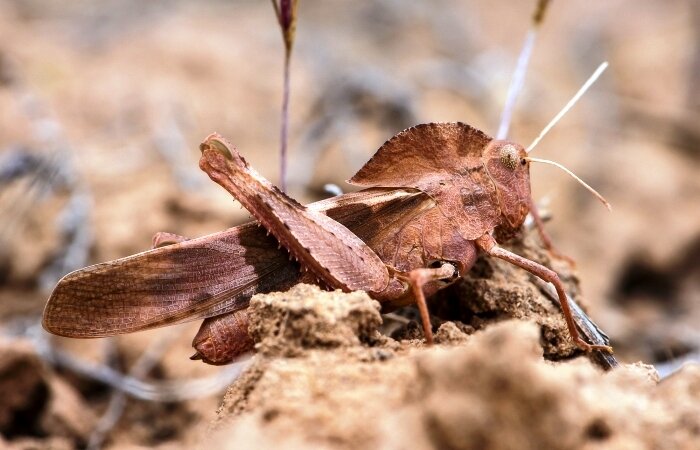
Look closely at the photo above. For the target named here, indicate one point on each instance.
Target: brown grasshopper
(435, 195)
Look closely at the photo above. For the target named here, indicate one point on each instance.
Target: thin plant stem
(286, 12)
(516, 84)
(284, 126)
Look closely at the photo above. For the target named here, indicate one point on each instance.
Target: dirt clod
(286, 323)
(492, 389)
(449, 332)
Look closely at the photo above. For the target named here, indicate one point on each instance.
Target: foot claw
(586, 347)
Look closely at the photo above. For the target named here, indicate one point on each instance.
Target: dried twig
(169, 140)
(49, 171)
(76, 232)
(117, 402)
(668, 368)
(159, 391)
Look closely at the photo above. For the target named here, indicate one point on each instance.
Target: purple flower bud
(286, 11)
(286, 14)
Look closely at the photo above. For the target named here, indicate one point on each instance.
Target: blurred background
(103, 106)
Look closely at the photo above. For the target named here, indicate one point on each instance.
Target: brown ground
(107, 103)
(489, 389)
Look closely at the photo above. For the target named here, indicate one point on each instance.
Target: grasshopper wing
(191, 280)
(202, 277)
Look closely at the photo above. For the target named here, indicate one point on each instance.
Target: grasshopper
(435, 195)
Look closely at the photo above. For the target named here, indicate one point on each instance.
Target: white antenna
(569, 105)
(586, 185)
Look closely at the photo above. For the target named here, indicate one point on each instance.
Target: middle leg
(417, 278)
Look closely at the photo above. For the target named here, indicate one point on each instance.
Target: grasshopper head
(507, 164)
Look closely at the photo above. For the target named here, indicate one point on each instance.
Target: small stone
(449, 333)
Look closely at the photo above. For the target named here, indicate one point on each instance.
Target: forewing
(376, 214)
(194, 279)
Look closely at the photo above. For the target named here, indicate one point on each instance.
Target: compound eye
(523, 162)
(509, 156)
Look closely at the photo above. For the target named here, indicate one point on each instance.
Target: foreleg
(544, 235)
(488, 244)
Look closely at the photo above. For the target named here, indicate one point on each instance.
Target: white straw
(516, 83)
